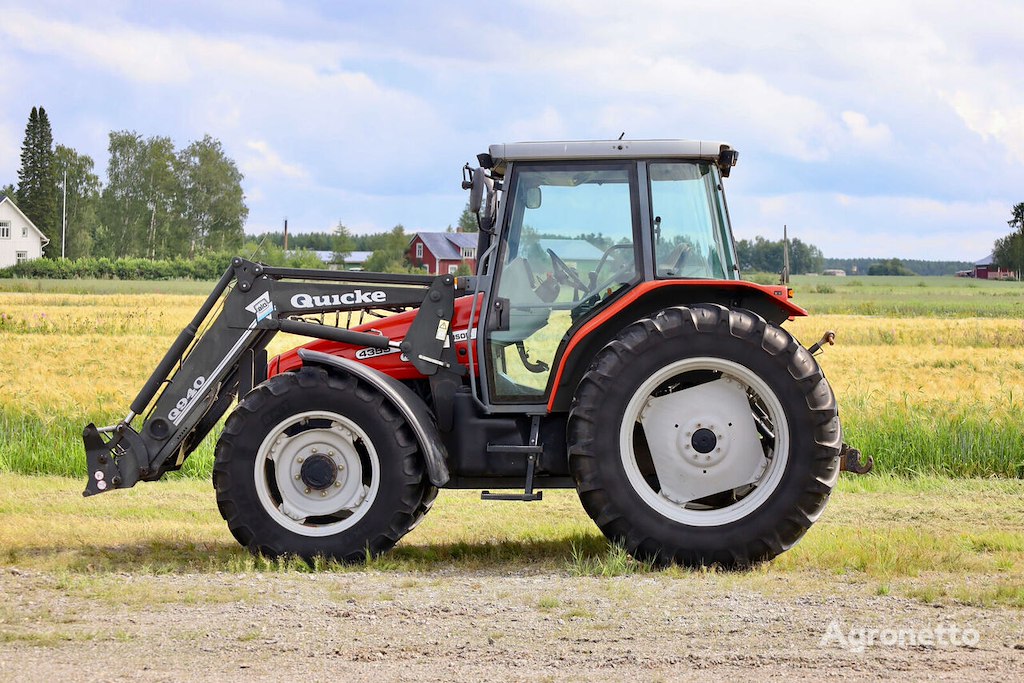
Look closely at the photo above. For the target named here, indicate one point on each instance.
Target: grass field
(936, 390)
(931, 539)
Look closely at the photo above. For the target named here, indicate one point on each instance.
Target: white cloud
(847, 226)
(864, 133)
(267, 164)
(359, 112)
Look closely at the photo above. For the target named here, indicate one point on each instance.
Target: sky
(870, 129)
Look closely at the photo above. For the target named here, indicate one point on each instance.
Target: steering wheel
(567, 273)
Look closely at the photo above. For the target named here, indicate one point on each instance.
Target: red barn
(443, 252)
(988, 269)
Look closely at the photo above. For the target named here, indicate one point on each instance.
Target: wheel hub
(715, 448)
(703, 440)
(319, 472)
(702, 443)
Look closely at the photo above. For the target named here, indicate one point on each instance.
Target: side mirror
(476, 191)
(533, 198)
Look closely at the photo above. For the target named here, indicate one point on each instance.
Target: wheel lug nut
(307, 489)
(297, 477)
(330, 453)
(337, 484)
(299, 460)
(323, 494)
(314, 450)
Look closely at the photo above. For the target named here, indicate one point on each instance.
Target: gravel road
(465, 626)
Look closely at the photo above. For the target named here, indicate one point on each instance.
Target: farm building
(354, 260)
(443, 252)
(20, 239)
(988, 269)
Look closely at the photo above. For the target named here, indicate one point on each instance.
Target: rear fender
(591, 334)
(412, 407)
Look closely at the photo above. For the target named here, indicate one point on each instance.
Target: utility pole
(286, 236)
(64, 216)
(785, 255)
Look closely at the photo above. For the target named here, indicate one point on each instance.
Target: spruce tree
(37, 179)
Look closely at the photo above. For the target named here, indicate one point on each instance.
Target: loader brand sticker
(357, 297)
(193, 391)
(262, 306)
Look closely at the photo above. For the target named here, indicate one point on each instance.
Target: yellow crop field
(922, 394)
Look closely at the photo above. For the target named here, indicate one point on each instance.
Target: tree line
(1008, 252)
(767, 256)
(159, 202)
(863, 266)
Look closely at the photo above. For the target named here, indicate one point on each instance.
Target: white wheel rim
(289, 500)
(776, 457)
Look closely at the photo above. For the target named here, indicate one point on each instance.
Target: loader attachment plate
(111, 464)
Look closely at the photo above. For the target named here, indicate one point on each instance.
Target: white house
(20, 239)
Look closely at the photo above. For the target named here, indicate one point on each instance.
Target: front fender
(412, 407)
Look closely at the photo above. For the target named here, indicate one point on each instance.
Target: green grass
(52, 445)
(908, 440)
(909, 296)
(931, 539)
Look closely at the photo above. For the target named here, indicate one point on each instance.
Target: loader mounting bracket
(111, 464)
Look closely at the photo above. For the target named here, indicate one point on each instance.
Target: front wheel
(312, 464)
(704, 435)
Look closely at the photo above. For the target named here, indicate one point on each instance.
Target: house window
(24, 231)
(452, 270)
(419, 250)
(5, 230)
(21, 256)
(469, 252)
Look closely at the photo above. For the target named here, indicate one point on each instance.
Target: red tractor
(606, 344)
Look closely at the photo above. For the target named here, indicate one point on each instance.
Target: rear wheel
(312, 464)
(704, 435)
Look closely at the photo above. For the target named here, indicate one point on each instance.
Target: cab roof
(607, 149)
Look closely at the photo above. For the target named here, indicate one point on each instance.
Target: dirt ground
(402, 626)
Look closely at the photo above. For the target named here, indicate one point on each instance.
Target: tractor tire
(704, 435)
(313, 464)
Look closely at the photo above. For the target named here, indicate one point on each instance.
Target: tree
(9, 190)
(467, 221)
(138, 197)
(1008, 252)
(82, 197)
(764, 255)
(37, 183)
(213, 209)
(1017, 218)
(344, 244)
(891, 267)
(389, 252)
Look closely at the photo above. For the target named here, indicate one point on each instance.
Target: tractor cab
(577, 227)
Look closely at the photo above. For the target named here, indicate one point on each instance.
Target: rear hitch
(850, 461)
(111, 464)
(828, 338)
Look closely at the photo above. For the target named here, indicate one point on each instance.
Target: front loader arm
(199, 375)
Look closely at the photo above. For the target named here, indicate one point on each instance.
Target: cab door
(569, 242)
